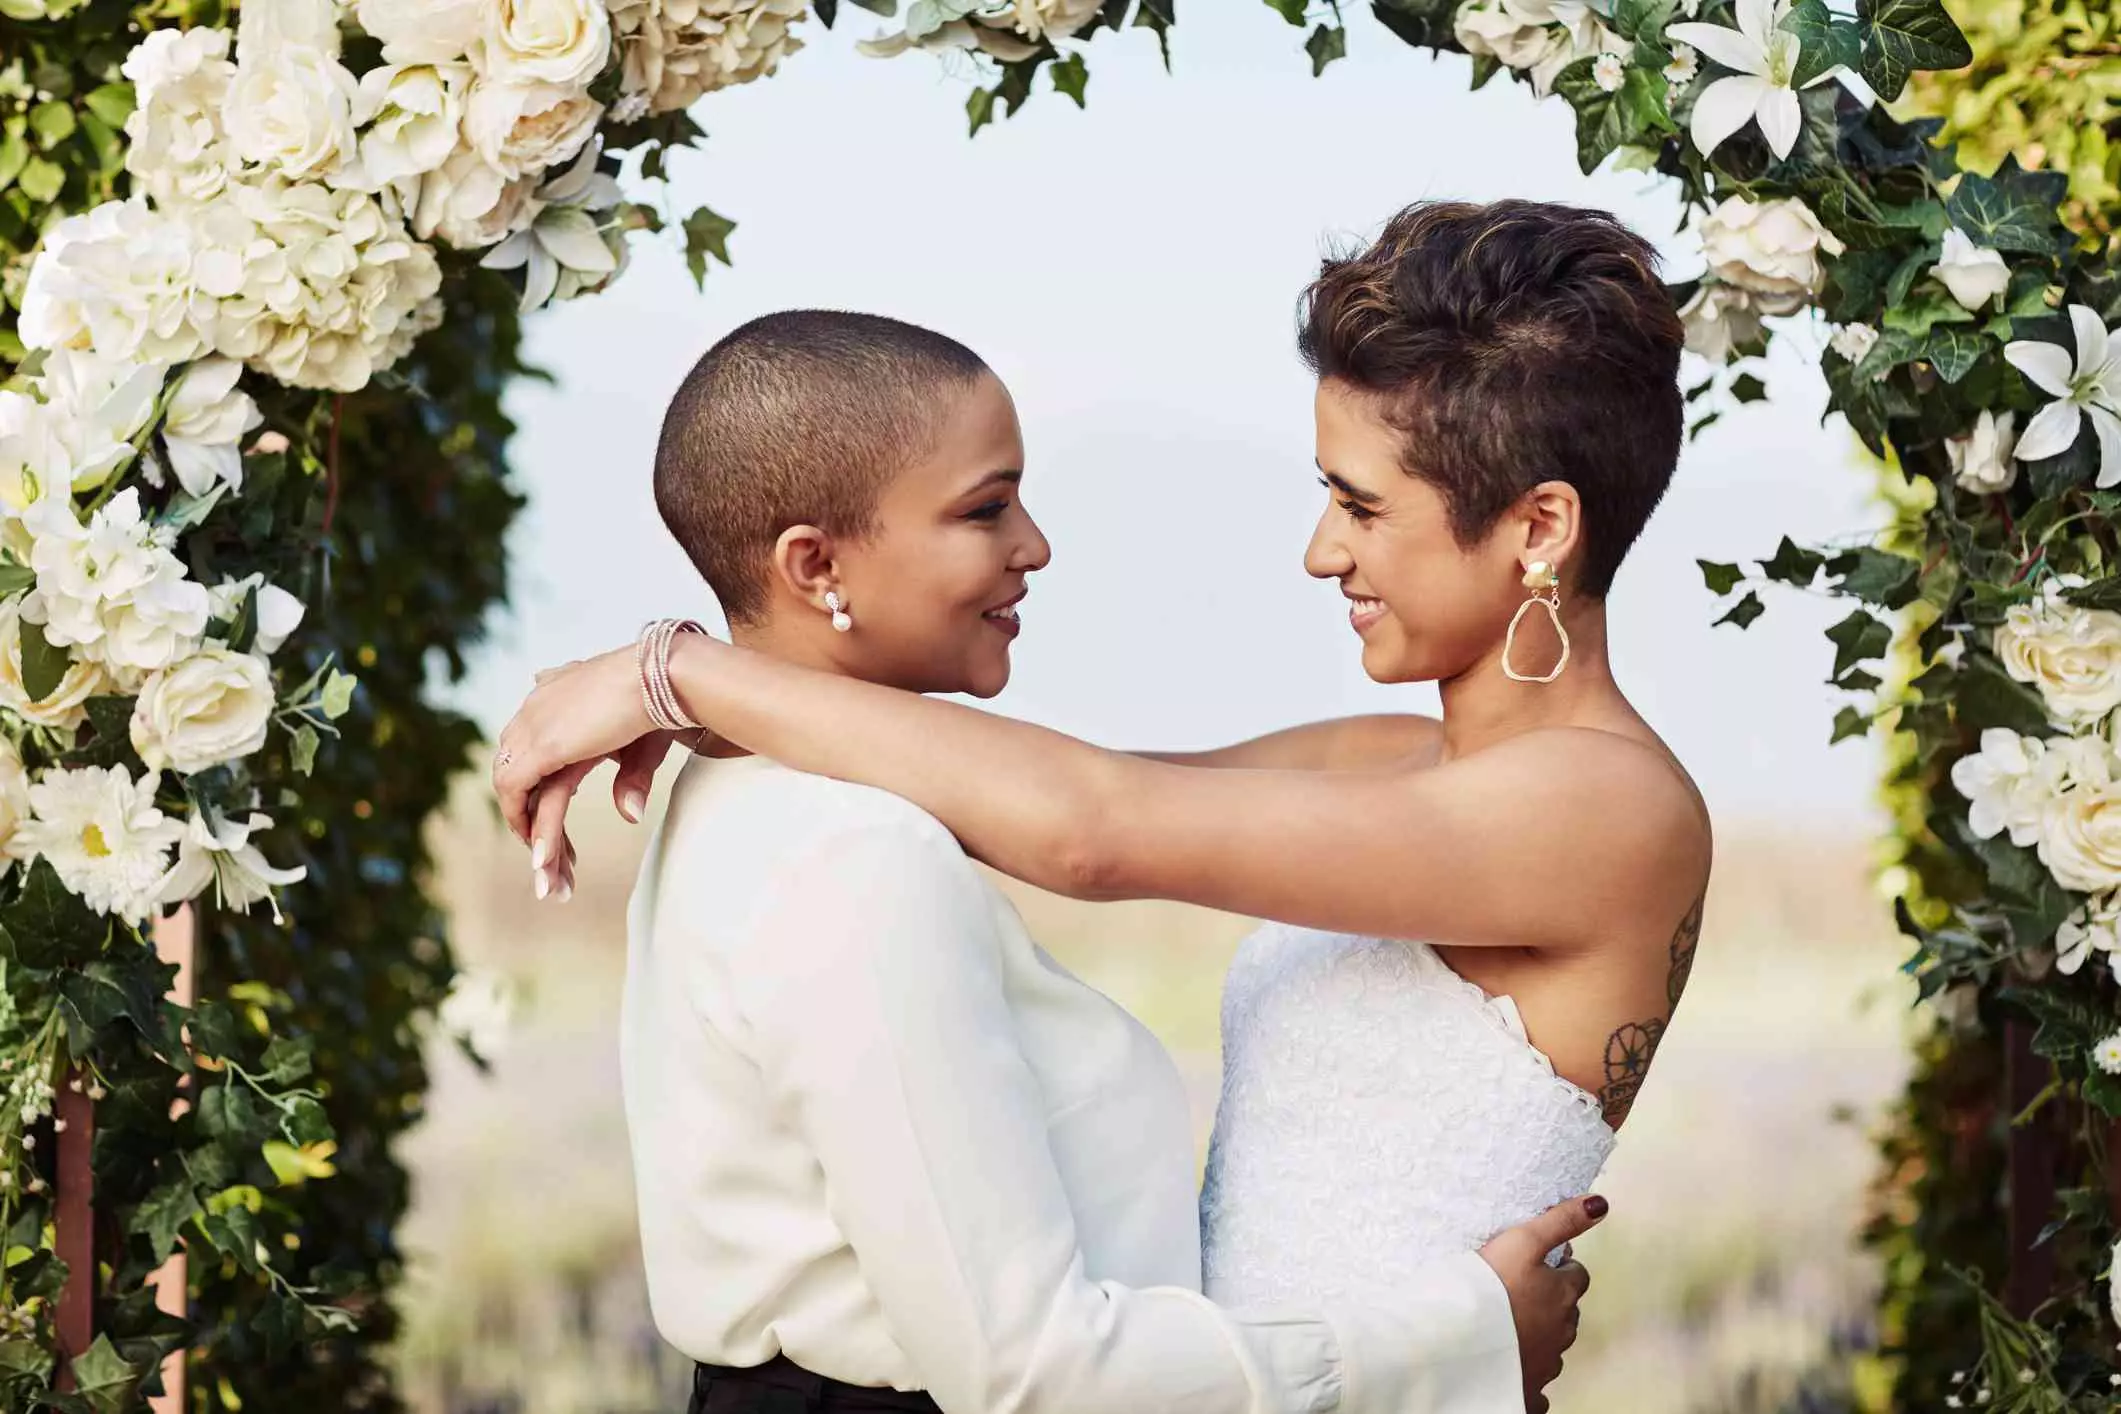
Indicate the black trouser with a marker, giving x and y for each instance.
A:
(780, 1386)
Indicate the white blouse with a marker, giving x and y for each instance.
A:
(876, 1129)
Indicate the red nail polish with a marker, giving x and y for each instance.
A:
(1596, 1206)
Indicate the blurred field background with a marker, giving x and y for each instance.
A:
(1728, 1271)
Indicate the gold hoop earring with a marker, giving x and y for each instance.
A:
(1545, 583)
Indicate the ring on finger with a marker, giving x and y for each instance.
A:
(503, 757)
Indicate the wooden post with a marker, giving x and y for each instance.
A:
(175, 937)
(75, 1217)
(2032, 1159)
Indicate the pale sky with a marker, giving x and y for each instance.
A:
(1131, 271)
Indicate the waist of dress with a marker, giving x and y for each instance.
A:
(780, 1386)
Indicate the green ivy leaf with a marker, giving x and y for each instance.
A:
(1920, 313)
(104, 991)
(163, 1213)
(1849, 722)
(2015, 210)
(1793, 564)
(1643, 19)
(1608, 121)
(302, 755)
(307, 1123)
(827, 11)
(1327, 43)
(53, 123)
(102, 1377)
(979, 107)
(1859, 638)
(1743, 612)
(886, 8)
(337, 697)
(1071, 76)
(25, 1357)
(1747, 388)
(286, 1061)
(48, 925)
(1989, 697)
(1901, 36)
(1954, 352)
(1877, 576)
(706, 234)
(14, 156)
(1720, 578)
(280, 1322)
(43, 665)
(1290, 10)
(1823, 43)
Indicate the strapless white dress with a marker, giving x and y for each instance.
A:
(1378, 1111)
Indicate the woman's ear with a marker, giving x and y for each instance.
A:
(805, 564)
(1553, 525)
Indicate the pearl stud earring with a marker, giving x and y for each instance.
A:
(841, 622)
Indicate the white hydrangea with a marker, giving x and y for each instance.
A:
(97, 406)
(221, 852)
(118, 279)
(676, 50)
(111, 590)
(176, 148)
(315, 287)
(99, 828)
(1771, 249)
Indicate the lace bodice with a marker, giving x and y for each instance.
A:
(1378, 1110)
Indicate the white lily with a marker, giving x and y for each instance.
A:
(2088, 386)
(565, 240)
(1763, 59)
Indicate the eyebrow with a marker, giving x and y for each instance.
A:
(1349, 489)
(1012, 475)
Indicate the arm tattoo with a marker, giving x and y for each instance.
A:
(1628, 1051)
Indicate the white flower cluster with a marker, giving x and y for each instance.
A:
(1002, 30)
(2060, 795)
(1540, 38)
(676, 50)
(1764, 258)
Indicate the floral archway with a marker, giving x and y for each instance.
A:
(263, 278)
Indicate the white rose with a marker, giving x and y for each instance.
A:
(1981, 460)
(290, 111)
(1854, 342)
(479, 1011)
(412, 113)
(14, 798)
(522, 129)
(2071, 654)
(469, 205)
(100, 829)
(2080, 839)
(1974, 274)
(204, 710)
(676, 50)
(64, 708)
(2008, 784)
(1489, 29)
(1719, 321)
(422, 31)
(117, 279)
(1769, 248)
(544, 41)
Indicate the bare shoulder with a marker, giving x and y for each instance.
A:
(1622, 804)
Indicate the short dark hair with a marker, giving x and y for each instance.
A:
(797, 418)
(1513, 343)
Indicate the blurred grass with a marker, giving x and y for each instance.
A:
(1724, 1278)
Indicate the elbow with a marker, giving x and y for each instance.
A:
(1088, 855)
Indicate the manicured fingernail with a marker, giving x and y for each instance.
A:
(541, 884)
(538, 851)
(566, 890)
(634, 803)
(1596, 1206)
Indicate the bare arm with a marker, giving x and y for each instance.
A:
(1341, 744)
(1437, 853)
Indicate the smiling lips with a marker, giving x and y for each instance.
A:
(1364, 612)
(1004, 616)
